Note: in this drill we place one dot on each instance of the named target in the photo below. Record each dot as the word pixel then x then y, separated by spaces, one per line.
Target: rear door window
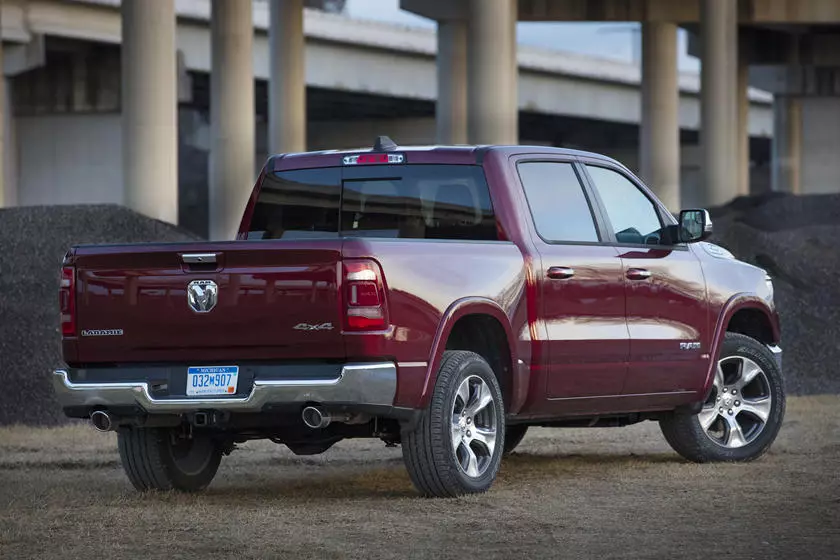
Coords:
pixel 558 204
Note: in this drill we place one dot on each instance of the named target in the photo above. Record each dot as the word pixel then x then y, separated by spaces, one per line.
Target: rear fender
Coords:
pixel 462 308
pixel 737 303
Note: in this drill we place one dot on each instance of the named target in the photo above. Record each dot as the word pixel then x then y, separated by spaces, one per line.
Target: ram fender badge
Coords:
pixel 689 346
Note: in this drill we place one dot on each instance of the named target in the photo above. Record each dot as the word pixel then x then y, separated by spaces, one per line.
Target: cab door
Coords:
pixel 581 287
pixel 667 311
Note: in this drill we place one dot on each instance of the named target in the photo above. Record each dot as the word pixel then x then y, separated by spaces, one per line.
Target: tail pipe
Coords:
pixel 316 417
pixel 101 420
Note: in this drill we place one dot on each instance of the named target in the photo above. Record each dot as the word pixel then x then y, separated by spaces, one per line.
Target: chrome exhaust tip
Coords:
pixel 315 417
pixel 101 420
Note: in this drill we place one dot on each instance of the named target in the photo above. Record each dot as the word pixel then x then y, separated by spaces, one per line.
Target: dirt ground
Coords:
pixel 607 493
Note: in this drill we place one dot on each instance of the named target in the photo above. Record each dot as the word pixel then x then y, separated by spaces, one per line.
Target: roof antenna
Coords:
pixel 384 144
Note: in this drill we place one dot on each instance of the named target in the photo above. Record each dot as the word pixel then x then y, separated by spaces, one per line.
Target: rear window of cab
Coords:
pixel 401 202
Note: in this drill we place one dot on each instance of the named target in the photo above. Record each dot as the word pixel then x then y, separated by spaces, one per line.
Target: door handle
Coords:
pixel 637 274
pixel 560 272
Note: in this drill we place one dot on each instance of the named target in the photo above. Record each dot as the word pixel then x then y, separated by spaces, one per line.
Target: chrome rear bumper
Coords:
pixel 373 384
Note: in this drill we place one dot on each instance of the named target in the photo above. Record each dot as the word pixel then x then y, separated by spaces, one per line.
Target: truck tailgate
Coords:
pixel 275 300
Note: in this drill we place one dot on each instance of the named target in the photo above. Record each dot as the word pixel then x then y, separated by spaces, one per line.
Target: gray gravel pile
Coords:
pixel 795 239
pixel 33 241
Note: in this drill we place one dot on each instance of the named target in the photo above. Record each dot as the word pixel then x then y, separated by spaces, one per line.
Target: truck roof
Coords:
pixel 440 154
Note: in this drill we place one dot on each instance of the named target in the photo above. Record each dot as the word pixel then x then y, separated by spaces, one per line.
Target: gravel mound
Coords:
pixel 33 241
pixel 795 238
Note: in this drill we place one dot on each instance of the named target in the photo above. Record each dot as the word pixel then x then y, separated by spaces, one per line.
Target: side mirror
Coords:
pixel 695 225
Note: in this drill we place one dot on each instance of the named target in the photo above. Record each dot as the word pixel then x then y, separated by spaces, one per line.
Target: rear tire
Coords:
pixel 456 446
pixel 743 413
pixel 159 459
pixel 513 436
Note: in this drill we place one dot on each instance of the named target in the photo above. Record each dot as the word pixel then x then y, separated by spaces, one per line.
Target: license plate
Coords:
pixel 212 380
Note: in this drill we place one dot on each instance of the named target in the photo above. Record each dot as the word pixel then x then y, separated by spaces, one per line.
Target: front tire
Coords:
pixel 744 411
pixel 456 446
pixel 160 459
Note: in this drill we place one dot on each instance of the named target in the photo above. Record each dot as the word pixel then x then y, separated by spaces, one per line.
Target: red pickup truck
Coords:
pixel 440 298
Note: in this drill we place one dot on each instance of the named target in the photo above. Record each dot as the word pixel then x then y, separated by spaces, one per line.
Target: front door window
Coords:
pixel 633 215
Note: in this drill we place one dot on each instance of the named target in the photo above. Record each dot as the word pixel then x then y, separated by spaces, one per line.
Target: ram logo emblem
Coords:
pixel 202 295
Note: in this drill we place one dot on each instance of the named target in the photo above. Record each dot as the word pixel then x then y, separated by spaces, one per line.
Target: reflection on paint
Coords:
pixel 587 328
pixel 660 329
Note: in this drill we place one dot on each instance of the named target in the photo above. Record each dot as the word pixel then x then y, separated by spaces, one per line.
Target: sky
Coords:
pixel 609 40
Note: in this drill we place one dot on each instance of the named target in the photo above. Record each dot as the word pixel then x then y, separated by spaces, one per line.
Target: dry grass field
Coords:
pixel 597 493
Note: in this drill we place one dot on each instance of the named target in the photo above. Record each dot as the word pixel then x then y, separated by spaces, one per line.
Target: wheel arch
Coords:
pixel 753 322
pixel 455 333
pixel 746 314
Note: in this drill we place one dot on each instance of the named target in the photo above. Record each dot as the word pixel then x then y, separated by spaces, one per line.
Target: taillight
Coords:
pixel 67 301
pixel 364 296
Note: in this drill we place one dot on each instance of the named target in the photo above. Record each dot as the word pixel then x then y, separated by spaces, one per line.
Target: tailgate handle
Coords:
pixel 199 258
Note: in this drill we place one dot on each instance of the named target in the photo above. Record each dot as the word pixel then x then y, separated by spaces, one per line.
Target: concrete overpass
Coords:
pixel 321 81
pixel 792 42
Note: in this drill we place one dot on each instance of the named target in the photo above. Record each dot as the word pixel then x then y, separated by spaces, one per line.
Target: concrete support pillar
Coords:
pixel 287 81
pixel 719 33
pixel 232 114
pixel 743 130
pixel 451 109
pixel 3 196
pixel 660 130
pixel 787 144
pixel 8 149
pixel 150 108
pixel 493 111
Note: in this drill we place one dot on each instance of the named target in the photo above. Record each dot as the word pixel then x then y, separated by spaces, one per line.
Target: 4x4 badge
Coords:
pixel 308 327
pixel 202 295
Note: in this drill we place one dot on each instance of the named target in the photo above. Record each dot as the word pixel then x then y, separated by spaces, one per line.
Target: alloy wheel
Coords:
pixel 474 426
pixel 739 405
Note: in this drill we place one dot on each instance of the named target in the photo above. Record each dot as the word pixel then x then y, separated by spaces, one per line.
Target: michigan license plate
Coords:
pixel 212 380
